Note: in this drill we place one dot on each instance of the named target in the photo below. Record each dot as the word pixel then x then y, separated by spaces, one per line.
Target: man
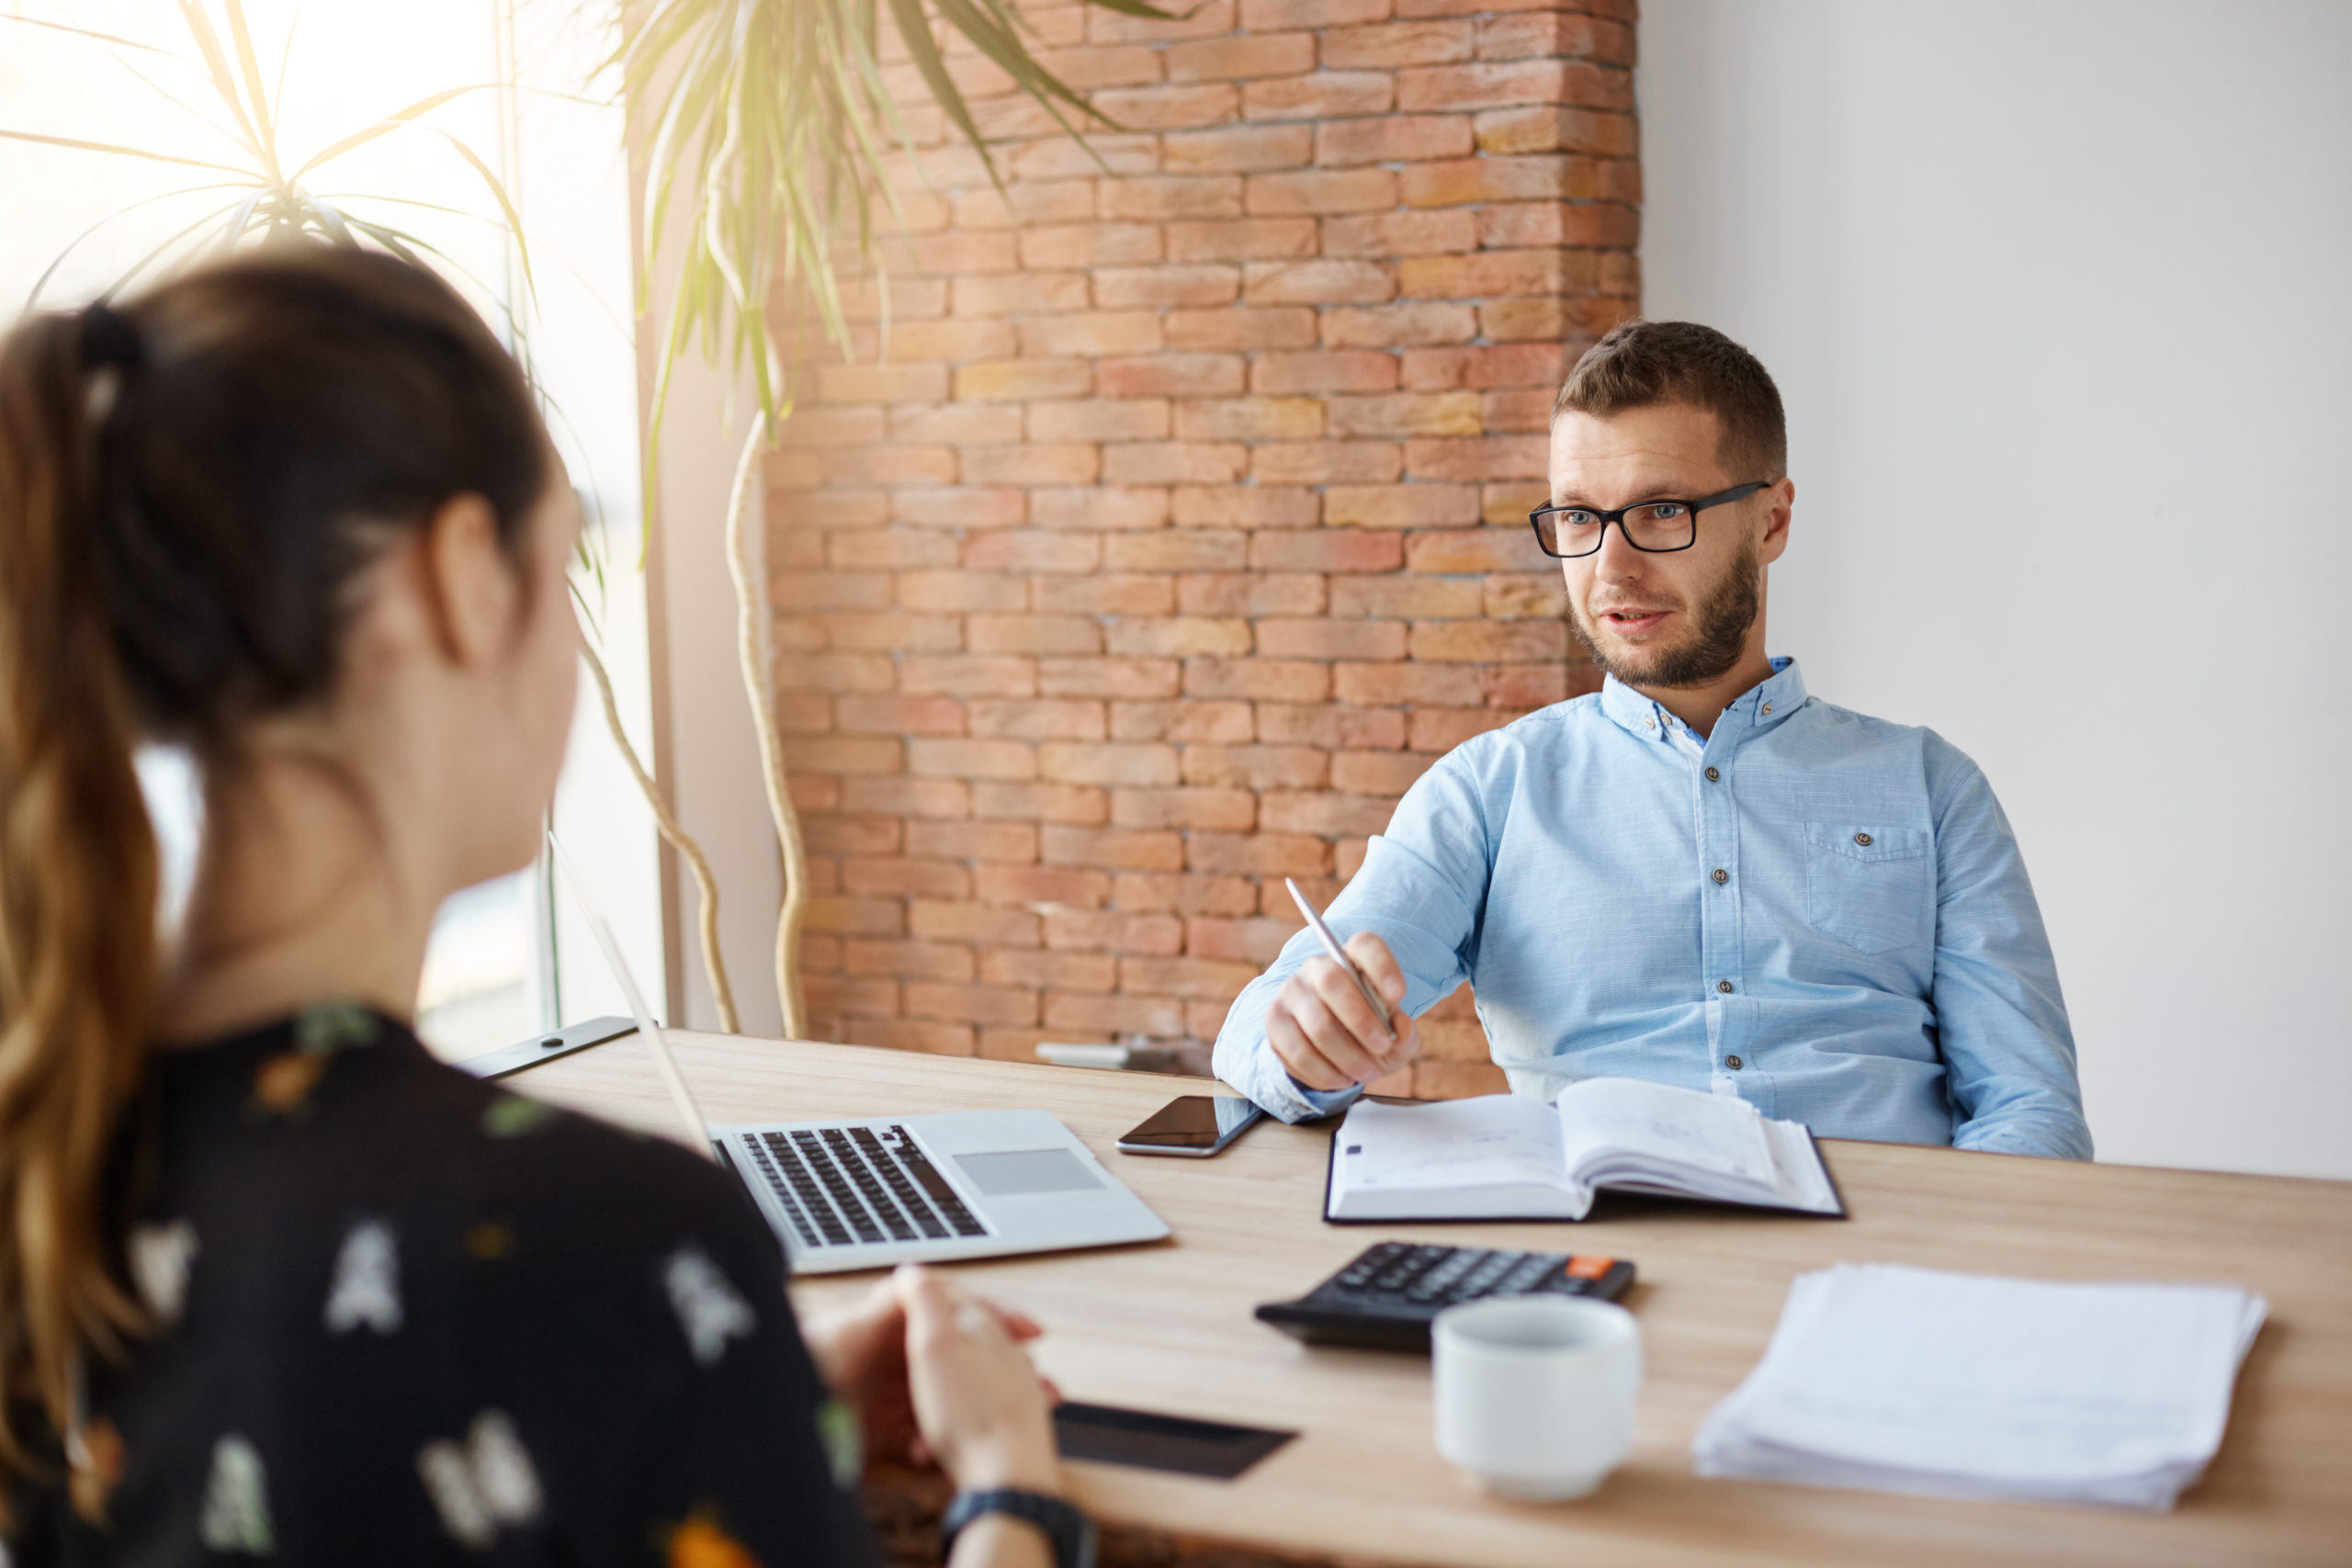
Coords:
pixel 1700 876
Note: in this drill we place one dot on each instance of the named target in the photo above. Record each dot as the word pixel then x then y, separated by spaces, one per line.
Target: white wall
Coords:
pixel 2059 295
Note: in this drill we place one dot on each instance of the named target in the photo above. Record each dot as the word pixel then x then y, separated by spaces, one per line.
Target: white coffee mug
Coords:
pixel 1536 1394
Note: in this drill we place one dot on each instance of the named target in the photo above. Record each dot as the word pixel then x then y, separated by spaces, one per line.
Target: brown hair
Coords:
pixel 1642 363
pixel 190 486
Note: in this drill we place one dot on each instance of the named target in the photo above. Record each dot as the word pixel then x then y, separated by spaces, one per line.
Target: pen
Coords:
pixel 1338 954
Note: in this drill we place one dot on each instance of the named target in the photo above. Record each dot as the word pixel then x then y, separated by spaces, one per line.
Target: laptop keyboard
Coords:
pixel 848 1186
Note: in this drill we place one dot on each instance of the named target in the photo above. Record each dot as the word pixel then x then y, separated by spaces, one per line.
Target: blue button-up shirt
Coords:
pixel 1824 914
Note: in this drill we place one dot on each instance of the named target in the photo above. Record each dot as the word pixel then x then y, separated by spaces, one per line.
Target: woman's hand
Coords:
pixel 860 1352
pixel 981 1407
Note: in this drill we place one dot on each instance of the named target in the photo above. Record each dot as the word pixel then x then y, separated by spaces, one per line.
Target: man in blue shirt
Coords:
pixel 1703 874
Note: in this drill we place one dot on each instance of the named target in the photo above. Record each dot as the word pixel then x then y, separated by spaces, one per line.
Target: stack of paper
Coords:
pixel 1963 1385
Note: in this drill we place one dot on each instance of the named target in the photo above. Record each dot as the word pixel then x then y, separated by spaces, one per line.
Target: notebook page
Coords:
pixel 1665 1126
pixel 1495 1140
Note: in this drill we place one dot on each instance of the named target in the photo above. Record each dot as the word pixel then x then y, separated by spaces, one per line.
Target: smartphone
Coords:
pixel 1195 1126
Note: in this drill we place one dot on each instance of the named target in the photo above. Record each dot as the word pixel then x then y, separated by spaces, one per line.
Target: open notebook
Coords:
pixel 1501 1157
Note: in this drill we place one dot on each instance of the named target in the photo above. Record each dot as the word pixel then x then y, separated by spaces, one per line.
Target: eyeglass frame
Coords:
pixel 1721 498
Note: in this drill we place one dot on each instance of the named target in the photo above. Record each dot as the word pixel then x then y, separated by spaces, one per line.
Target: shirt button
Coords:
pixel 1863 840
pixel 1724 985
pixel 1722 876
pixel 1732 1062
pixel 1768 709
pixel 1713 774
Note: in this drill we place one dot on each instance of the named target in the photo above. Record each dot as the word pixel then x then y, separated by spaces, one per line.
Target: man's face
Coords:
pixel 1677 618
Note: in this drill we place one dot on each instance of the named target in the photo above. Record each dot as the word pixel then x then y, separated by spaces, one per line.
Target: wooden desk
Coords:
pixel 1167 1326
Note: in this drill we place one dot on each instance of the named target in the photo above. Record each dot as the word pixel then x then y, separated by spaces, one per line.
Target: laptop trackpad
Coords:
pixel 1011 1172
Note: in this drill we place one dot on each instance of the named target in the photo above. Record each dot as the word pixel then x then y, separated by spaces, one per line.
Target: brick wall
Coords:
pixel 1183 526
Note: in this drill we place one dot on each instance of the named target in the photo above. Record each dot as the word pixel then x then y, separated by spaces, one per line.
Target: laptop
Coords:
pixel 871 1191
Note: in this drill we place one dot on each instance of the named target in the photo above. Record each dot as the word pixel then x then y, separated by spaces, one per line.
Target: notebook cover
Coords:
pixel 1331 1171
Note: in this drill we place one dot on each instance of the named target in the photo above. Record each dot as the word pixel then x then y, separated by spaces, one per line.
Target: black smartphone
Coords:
pixel 1197 1126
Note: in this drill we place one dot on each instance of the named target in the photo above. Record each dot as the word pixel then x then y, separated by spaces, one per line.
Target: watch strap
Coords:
pixel 1064 1525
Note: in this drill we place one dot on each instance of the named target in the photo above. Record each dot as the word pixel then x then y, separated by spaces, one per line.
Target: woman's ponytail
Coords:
pixel 77 875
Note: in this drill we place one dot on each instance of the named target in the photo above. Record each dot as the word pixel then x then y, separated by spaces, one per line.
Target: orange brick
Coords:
pixel 1175 374
pixel 1045 719
pixel 1328 462
pixel 1233 59
pixel 1114 848
pixel 1154 197
pixel 836 509
pixel 1272 680
pixel 952 339
pixel 1500 85
pixel 1257 767
pixel 1066 463
pixel 829 589
pixel 1250 593
pixel 1107 762
pixel 819 426
pixel 1525 596
pixel 1538 685
pixel 1548 35
pixel 1110 594
pixel 1194 895
pixel 954 423
pixel 1409 596
pixel 1393 139
pixel 1320 282
pixel 1399 506
pixel 1502 365
pixel 1109 933
pixel 1330 727
pixel 1098 507
pixel 1331 639
pixel 1533 178
pixel 1249 419
pixel 900 877
pixel 1386 47
pixel 890 465
pixel 1363 370
pixel 970 1003
pixel 1241 239
pixel 1240 330
pixel 1233 810
pixel 1400 682
pixel 1489 642
pixel 1481 457
pixel 1030 551
pixel 1060 157
pixel 1016 380
pixel 1185 977
pixel 883 549
pixel 1490 272
pixel 1055 971
pixel 1176 636
pixel 1474 549
pixel 1002 1044
pixel 1246 506
pixel 1325 815
pixel 1219 723
pixel 1091 333
pixel 919 960
pixel 969 249
pixel 1399 326
pixel 902 715
pixel 1458 1080
pixel 1505 320
pixel 1323 191
pixel 894 629
pixel 1042 885
pixel 961 591
pixel 854 998
pixel 1173 462
pixel 1552 128
pixel 1321 95
pixel 830 835
pixel 950 507
pixel 1099 419
pixel 1034 634
pixel 1254 942
pixel 1271 15
pixel 1406 414
pixel 1178 106
pixel 883 383
pixel 856 917
pixel 1377 772
pixel 1507 505
pixel 1131 678
pixel 1020 294
pixel 969 675
pixel 1130 65
pixel 1010 843
pixel 913 1034
pixel 972 759
pixel 1323 549
pixel 813 793
pixel 1558 223
pixel 1260 853
pixel 1441 729
pixel 1098 1018
pixel 1238 150
pixel 1166 288
pixel 1087 244
pixel 1191 552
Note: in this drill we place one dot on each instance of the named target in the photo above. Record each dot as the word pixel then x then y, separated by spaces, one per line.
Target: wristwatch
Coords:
pixel 1069 1530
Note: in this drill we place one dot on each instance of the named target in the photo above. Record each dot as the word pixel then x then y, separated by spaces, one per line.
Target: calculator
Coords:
pixel 1387 1297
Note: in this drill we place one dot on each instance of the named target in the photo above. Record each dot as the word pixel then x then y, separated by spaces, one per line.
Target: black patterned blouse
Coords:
pixel 408 1317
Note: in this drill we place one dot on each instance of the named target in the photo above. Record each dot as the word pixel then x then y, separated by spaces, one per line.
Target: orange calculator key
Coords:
pixel 1584 1266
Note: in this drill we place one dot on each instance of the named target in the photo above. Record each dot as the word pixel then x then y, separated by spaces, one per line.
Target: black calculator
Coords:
pixel 1386 1298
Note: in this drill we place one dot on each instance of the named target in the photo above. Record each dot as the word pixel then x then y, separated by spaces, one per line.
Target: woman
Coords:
pixel 273 1282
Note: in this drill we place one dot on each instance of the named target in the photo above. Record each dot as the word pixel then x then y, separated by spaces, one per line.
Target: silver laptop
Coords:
pixel 872 1192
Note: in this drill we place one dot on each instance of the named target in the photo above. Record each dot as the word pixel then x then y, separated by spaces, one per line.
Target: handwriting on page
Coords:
pixel 1472 1143
pixel 1709 1131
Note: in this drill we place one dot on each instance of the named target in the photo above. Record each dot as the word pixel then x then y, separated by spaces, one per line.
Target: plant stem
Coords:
pixel 759 685
pixel 714 964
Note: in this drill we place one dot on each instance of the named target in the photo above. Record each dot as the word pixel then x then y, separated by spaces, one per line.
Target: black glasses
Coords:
pixel 1653 525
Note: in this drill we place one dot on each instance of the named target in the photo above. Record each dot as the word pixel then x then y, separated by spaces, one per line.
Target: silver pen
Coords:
pixel 1338 954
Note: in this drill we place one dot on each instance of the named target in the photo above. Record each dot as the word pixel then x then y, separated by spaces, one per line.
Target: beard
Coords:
pixel 1717 637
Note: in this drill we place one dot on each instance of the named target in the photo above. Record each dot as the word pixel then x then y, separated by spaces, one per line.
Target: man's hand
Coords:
pixel 1327 1036
pixel 860 1352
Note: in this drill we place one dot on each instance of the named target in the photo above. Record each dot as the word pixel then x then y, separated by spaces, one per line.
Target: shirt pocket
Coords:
pixel 1872 888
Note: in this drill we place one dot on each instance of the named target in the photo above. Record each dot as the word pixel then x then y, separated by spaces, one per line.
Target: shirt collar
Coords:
pixel 1760 708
